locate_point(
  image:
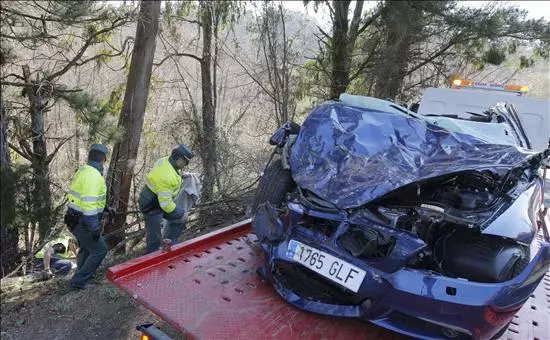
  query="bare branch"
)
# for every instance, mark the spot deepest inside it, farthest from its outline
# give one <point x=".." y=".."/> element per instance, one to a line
<point x="369" y="22"/>
<point x="108" y="55"/>
<point x="117" y="23"/>
<point x="178" y="55"/>
<point x="54" y="152"/>
<point x="20" y="151"/>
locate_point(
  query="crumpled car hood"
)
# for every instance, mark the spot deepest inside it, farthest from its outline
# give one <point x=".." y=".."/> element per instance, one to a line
<point x="350" y="156"/>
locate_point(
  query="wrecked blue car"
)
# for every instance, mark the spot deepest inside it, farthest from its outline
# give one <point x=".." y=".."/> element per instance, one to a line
<point x="428" y="226"/>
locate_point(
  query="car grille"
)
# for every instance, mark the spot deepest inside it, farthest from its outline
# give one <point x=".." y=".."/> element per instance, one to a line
<point x="312" y="286"/>
<point x="364" y="242"/>
<point x="320" y="225"/>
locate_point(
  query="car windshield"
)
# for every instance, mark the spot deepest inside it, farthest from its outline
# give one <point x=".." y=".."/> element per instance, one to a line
<point x="499" y="124"/>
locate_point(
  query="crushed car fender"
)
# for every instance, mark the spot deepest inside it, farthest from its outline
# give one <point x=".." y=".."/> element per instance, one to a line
<point x="266" y="224"/>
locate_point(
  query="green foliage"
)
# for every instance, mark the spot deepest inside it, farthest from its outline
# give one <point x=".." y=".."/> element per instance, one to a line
<point x="100" y="115"/>
<point x="91" y="32"/>
<point x="67" y="42"/>
<point x="17" y="195"/>
<point x="495" y="55"/>
<point x="429" y="39"/>
<point x="72" y="11"/>
<point x="525" y="62"/>
<point x="224" y="13"/>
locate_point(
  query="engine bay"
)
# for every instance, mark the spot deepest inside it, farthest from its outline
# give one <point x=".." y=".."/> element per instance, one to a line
<point x="447" y="214"/>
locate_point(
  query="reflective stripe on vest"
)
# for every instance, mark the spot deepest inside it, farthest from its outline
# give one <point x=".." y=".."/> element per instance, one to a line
<point x="88" y="191"/>
<point x="165" y="182"/>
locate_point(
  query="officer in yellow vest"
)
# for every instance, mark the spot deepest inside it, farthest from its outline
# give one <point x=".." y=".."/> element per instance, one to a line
<point x="87" y="199"/>
<point x="156" y="200"/>
<point x="55" y="255"/>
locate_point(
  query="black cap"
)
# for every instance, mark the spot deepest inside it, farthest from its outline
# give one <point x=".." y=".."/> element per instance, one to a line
<point x="183" y="151"/>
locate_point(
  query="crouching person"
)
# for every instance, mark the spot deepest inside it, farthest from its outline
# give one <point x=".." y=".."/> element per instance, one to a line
<point x="156" y="200"/>
<point x="85" y="209"/>
<point x="54" y="257"/>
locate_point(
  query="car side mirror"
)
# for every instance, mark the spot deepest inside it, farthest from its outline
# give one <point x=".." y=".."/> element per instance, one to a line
<point x="280" y="136"/>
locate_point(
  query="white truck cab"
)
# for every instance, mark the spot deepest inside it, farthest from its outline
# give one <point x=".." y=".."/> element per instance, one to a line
<point x="467" y="96"/>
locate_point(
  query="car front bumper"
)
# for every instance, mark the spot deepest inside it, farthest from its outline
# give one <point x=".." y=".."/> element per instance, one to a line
<point x="410" y="301"/>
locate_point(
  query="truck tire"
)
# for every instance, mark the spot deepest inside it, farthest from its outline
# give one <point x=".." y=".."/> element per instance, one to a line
<point x="274" y="184"/>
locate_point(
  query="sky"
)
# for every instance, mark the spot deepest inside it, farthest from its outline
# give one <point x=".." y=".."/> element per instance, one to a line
<point x="536" y="9"/>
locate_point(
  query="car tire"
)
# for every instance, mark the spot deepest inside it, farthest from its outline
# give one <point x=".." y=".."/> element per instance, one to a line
<point x="274" y="184"/>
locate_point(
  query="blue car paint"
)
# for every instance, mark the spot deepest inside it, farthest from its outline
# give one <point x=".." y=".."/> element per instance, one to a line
<point x="419" y="294"/>
<point x="522" y="212"/>
<point x="350" y="156"/>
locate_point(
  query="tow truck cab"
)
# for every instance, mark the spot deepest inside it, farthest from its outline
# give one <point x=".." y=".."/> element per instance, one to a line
<point x="467" y="96"/>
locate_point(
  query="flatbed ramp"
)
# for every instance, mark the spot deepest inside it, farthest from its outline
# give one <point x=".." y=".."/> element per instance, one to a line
<point x="208" y="288"/>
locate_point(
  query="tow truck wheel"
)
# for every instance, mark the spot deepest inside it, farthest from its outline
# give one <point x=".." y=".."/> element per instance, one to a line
<point x="274" y="184"/>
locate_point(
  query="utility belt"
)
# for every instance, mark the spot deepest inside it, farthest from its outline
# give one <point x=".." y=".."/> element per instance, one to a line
<point x="72" y="218"/>
<point x="148" y="201"/>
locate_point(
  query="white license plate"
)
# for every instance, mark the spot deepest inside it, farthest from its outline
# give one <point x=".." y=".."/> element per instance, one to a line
<point x="331" y="267"/>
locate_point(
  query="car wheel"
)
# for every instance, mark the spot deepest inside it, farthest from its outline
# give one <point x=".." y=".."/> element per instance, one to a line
<point x="274" y="184"/>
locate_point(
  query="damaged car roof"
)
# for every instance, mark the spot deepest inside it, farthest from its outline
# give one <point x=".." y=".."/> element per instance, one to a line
<point x="350" y="155"/>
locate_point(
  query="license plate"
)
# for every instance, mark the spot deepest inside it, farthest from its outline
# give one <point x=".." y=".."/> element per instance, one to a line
<point x="331" y="267"/>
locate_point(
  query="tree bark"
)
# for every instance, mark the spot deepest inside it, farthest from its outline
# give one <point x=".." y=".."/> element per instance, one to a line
<point x="208" y="143"/>
<point x="9" y="236"/>
<point x="403" y="22"/>
<point x="4" y="150"/>
<point x="339" y="49"/>
<point x="125" y="151"/>
<point x="42" y="194"/>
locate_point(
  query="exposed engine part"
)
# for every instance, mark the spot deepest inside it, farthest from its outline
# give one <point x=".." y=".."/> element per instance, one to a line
<point x="367" y="242"/>
<point x="482" y="258"/>
<point x="464" y="199"/>
<point x="322" y="225"/>
<point x="466" y="191"/>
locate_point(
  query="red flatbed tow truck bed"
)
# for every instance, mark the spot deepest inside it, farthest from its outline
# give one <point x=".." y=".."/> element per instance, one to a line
<point x="208" y="288"/>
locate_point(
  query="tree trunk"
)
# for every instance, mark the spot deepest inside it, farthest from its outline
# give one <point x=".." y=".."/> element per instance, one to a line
<point x="9" y="236"/>
<point x="4" y="151"/>
<point x="402" y="21"/>
<point x="42" y="195"/>
<point x="208" y="143"/>
<point x="339" y="49"/>
<point x="125" y="151"/>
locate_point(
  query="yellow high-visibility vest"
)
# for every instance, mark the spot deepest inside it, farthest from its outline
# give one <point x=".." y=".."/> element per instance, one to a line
<point x="88" y="191"/>
<point x="64" y="241"/>
<point x="165" y="182"/>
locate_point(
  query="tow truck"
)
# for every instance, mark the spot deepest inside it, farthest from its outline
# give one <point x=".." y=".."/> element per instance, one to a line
<point x="466" y="97"/>
<point x="208" y="288"/>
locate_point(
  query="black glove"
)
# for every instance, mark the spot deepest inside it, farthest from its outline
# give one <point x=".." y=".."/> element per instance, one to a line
<point x="95" y="235"/>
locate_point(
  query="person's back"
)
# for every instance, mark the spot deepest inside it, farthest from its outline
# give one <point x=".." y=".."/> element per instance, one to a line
<point x="87" y="198"/>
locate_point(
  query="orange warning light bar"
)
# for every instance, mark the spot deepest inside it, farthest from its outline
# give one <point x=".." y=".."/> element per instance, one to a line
<point x="458" y="83"/>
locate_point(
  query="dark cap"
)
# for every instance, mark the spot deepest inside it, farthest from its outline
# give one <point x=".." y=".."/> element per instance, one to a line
<point x="183" y="151"/>
<point x="101" y="148"/>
